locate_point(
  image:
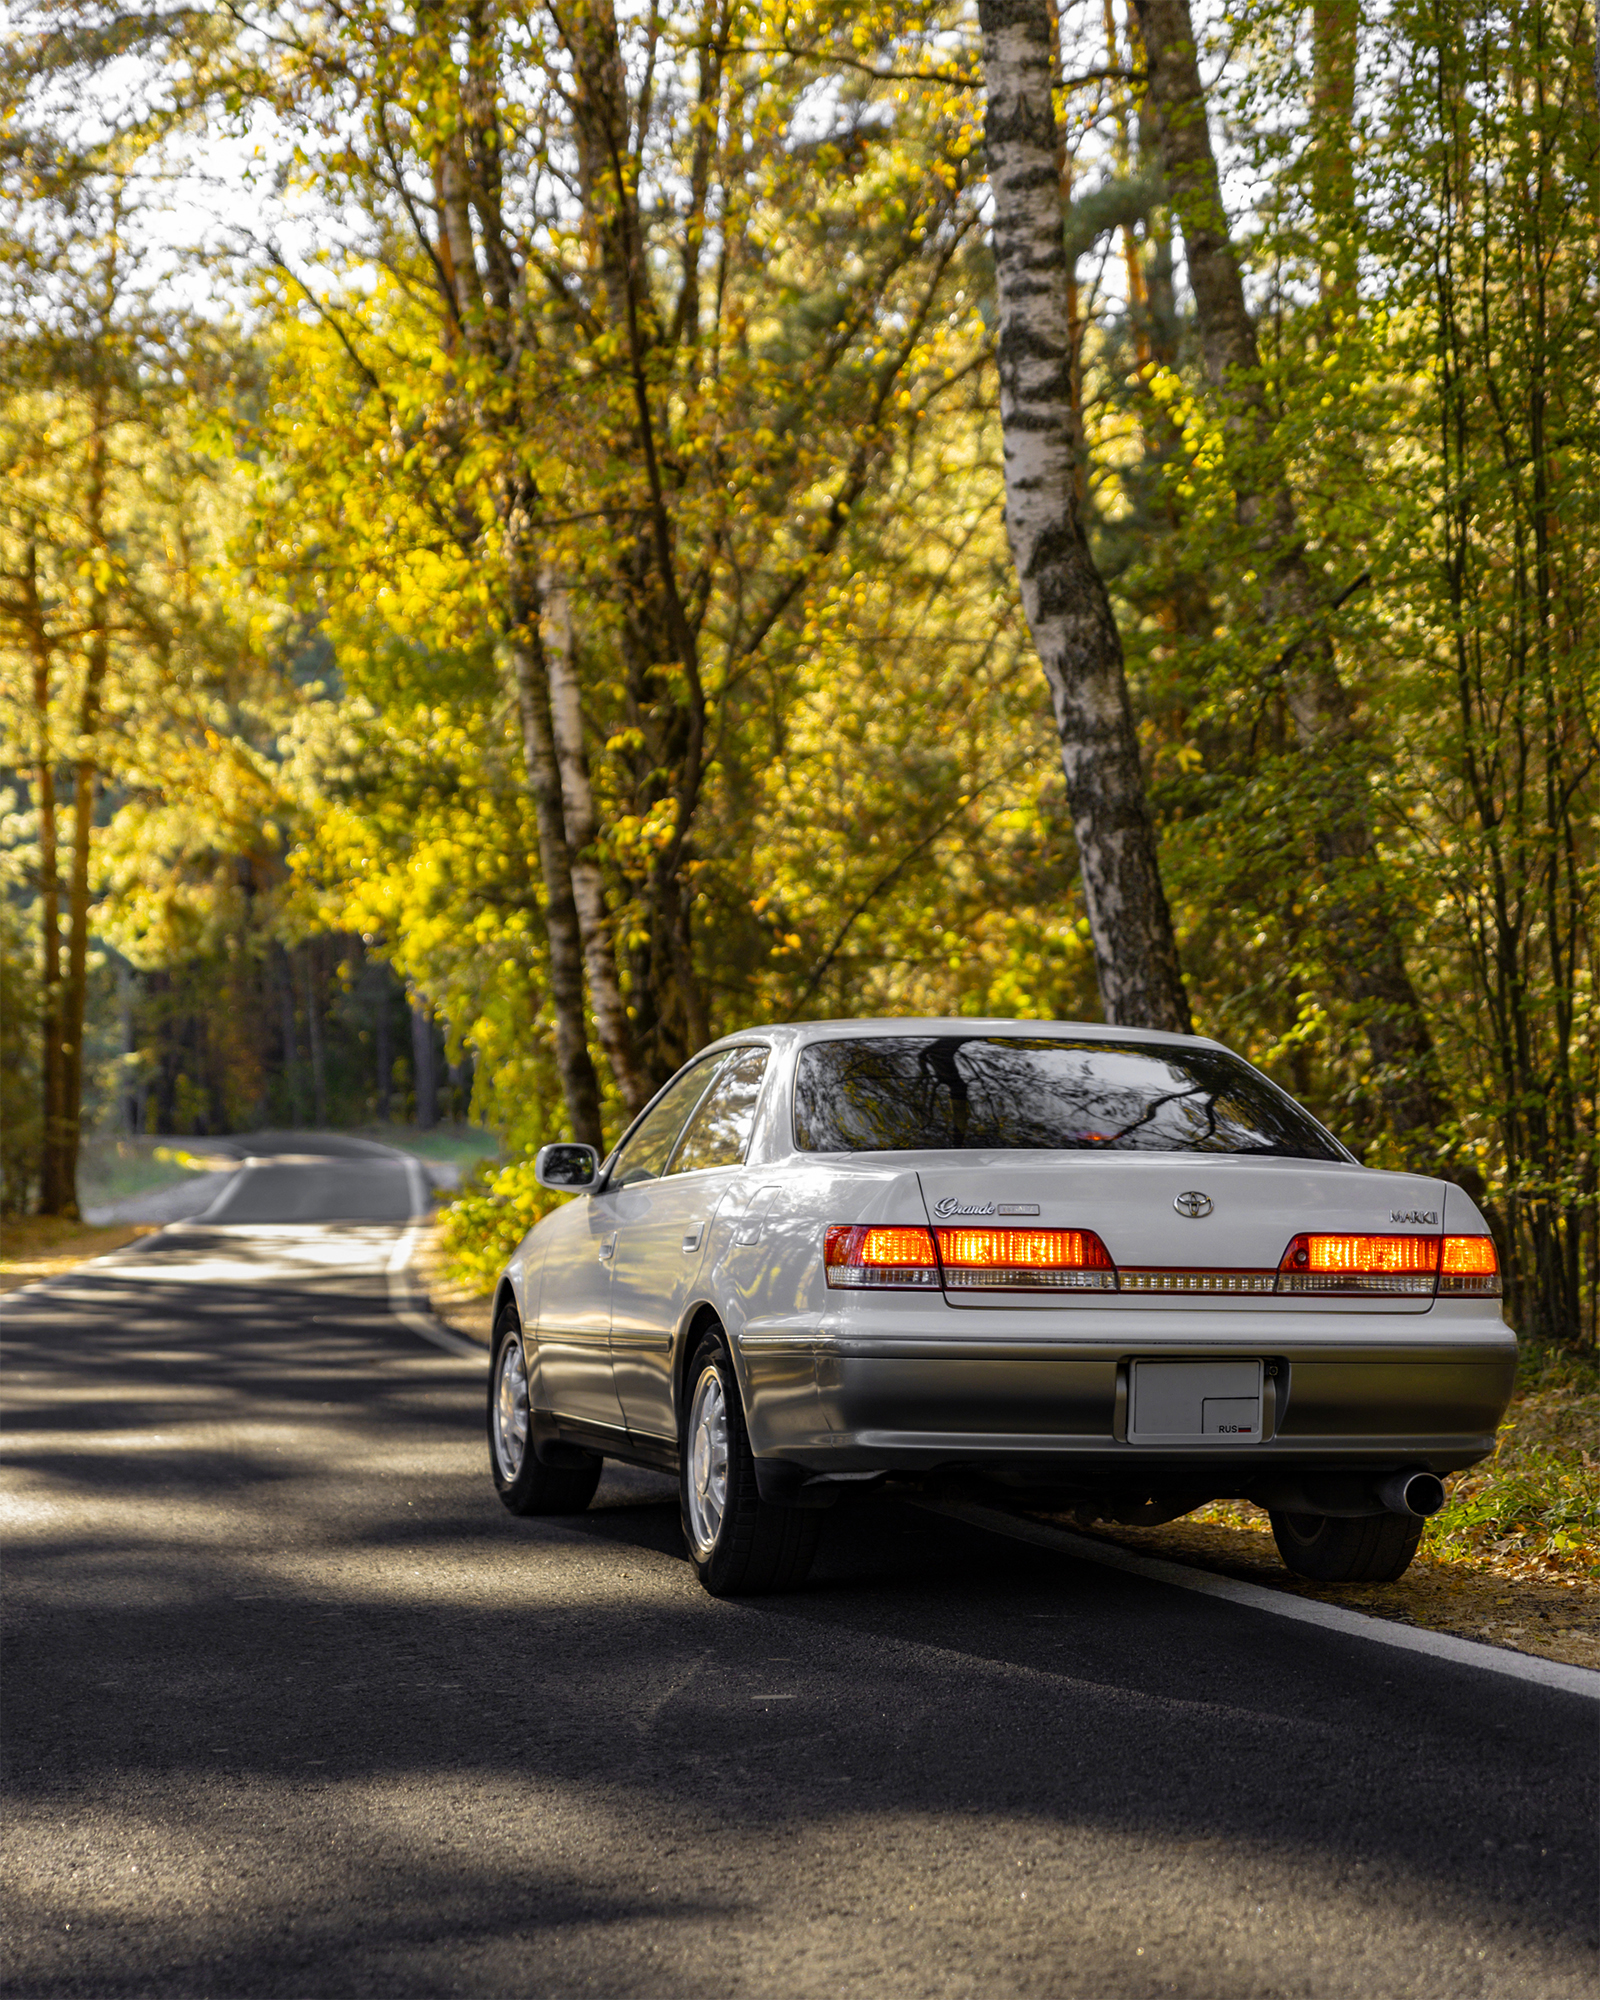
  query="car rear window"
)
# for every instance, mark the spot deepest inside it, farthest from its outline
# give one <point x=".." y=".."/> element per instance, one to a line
<point x="927" y="1093"/>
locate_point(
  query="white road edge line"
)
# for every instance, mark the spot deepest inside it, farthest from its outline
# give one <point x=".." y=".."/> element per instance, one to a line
<point x="403" y="1298"/>
<point x="1333" y="1617"/>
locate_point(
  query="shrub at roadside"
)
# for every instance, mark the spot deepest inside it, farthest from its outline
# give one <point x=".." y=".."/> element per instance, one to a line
<point x="494" y="1210"/>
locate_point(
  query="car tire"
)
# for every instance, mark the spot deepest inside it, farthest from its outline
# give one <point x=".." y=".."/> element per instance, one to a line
<point x="740" y="1544"/>
<point x="523" y="1481"/>
<point x="1375" y="1548"/>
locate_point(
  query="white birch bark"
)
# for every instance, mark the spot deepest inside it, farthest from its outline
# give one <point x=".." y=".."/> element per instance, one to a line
<point x="1069" y="614"/>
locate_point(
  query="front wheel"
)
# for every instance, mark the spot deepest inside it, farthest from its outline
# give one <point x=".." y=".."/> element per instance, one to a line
<point x="1376" y="1548"/>
<point x="525" y="1484"/>
<point x="740" y="1544"/>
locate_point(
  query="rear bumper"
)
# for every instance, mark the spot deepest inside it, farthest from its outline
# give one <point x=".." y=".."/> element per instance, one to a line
<point x="1036" y="1403"/>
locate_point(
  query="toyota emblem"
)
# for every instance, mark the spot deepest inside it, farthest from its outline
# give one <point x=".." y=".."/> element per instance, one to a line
<point x="1193" y="1204"/>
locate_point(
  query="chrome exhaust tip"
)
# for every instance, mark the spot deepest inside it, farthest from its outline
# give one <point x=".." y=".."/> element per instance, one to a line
<point x="1418" y="1494"/>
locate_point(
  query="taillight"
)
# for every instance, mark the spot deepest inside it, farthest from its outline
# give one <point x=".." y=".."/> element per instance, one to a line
<point x="1469" y="1268"/>
<point x="880" y="1254"/>
<point x="1026" y="1260"/>
<point x="1360" y="1264"/>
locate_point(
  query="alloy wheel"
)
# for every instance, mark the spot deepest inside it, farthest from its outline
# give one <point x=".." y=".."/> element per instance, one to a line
<point x="708" y="1463"/>
<point x="511" y="1411"/>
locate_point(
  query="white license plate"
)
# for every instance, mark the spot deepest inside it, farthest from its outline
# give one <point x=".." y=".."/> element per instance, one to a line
<point x="1194" y="1402"/>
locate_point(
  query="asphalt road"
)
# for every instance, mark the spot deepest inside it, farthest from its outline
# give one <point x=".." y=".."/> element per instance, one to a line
<point x="292" y="1706"/>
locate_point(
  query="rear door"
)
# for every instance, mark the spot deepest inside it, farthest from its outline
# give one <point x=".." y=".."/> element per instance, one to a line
<point x="663" y="1223"/>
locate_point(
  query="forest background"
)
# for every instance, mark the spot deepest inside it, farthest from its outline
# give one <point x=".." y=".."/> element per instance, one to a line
<point x="504" y="571"/>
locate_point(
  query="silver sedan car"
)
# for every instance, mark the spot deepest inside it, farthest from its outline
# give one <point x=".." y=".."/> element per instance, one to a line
<point x="1099" y="1268"/>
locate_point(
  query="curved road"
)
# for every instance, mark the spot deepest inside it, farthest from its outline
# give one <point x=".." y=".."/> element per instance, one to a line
<point x="293" y="1707"/>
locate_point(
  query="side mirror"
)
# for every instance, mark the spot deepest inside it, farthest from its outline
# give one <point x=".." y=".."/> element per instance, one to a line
<point x="566" y="1169"/>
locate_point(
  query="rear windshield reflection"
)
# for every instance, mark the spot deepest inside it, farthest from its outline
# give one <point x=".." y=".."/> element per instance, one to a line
<point x="929" y="1093"/>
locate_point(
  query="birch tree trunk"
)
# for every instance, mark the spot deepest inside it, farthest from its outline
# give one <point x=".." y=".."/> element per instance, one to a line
<point x="588" y="885"/>
<point x="1367" y="956"/>
<point x="579" y="1085"/>
<point x="1069" y="614"/>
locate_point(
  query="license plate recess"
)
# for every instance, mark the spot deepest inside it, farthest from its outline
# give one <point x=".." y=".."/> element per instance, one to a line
<point x="1194" y="1402"/>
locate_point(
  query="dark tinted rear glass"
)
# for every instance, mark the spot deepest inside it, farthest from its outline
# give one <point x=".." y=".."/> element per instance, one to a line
<point x="924" y="1093"/>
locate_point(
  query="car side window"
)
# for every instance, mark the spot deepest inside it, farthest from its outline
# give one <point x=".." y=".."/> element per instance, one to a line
<point x="645" y="1154"/>
<point x="718" y="1133"/>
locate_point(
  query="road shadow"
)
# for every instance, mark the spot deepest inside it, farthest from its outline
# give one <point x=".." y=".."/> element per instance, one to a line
<point x="264" y="1603"/>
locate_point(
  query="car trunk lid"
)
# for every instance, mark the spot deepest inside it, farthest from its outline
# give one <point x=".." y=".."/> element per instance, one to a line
<point x="1193" y="1228"/>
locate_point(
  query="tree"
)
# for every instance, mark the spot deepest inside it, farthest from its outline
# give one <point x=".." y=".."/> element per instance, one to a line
<point x="632" y="434"/>
<point x="1070" y="616"/>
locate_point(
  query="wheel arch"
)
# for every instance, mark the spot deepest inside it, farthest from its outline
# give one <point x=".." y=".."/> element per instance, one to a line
<point x="505" y="1293"/>
<point x="699" y="1321"/>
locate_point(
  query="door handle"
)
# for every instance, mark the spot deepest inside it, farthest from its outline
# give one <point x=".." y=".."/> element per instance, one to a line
<point x="607" y="1245"/>
<point x="691" y="1240"/>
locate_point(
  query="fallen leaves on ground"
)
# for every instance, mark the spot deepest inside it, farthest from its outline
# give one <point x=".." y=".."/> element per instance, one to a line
<point x="44" y="1246"/>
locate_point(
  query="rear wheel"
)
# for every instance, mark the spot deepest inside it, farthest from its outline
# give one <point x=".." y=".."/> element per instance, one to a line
<point x="1376" y="1548"/>
<point x="740" y="1544"/>
<point x="525" y="1484"/>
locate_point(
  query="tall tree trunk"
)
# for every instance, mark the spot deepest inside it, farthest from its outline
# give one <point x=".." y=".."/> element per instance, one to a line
<point x="130" y="1088"/>
<point x="53" y="1184"/>
<point x="579" y="1086"/>
<point x="86" y="782"/>
<point x="588" y="884"/>
<point x="466" y="175"/>
<point x="423" y="1069"/>
<point x="608" y="181"/>
<point x="384" y="1054"/>
<point x="1366" y="953"/>
<point x="314" y="1037"/>
<point x="291" y="1053"/>
<point x="1069" y="614"/>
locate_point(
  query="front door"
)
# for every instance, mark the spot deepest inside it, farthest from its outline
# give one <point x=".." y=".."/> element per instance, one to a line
<point x="572" y="1368"/>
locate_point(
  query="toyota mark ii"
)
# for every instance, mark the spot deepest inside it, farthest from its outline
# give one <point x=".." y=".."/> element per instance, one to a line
<point x="1100" y="1269"/>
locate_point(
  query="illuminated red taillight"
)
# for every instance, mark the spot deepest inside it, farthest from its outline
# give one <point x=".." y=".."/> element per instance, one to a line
<point x="1407" y="1265"/>
<point x="1469" y="1268"/>
<point x="1025" y="1260"/>
<point x="880" y="1254"/>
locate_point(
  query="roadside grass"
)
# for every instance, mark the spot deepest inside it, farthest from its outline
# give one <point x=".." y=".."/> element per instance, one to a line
<point x="1533" y="1508"/>
<point x="463" y="1146"/>
<point x="44" y="1246"/>
<point x="113" y="1168"/>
